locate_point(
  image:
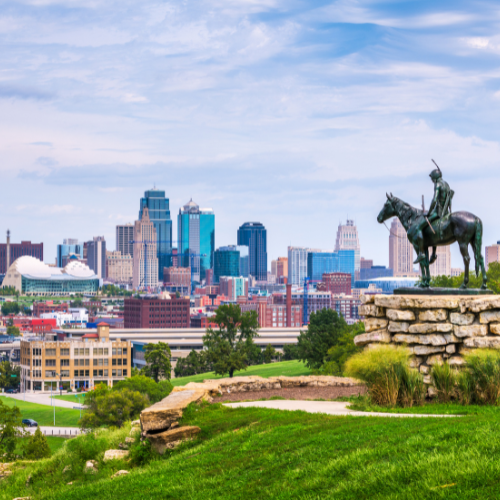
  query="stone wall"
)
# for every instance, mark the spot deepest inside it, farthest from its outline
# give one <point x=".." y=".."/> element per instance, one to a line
<point x="435" y="328"/>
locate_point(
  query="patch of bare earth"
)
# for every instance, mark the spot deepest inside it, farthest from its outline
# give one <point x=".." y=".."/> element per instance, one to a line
<point x="298" y="393"/>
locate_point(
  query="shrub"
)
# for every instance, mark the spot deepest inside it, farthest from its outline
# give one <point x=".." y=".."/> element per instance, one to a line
<point x="389" y="379"/>
<point x="445" y="380"/>
<point x="155" y="391"/>
<point x="37" y="446"/>
<point x="483" y="366"/>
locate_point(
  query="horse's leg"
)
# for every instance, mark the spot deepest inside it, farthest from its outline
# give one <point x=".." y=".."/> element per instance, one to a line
<point x="433" y="256"/>
<point x="426" y="268"/>
<point x="422" y="269"/>
<point x="464" y="250"/>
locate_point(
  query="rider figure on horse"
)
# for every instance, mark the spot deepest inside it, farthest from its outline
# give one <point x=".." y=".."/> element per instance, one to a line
<point x="440" y="207"/>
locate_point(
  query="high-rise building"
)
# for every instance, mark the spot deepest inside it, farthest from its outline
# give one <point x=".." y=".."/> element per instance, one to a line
<point x="9" y="252"/>
<point x="442" y="266"/>
<point x="254" y="236"/>
<point x="96" y="256"/>
<point x="319" y="263"/>
<point x="120" y="268"/>
<point x="226" y="262"/>
<point x="374" y="272"/>
<point x="69" y="248"/>
<point x="244" y="258"/>
<point x="159" y="214"/>
<point x="125" y="238"/>
<point x="492" y="254"/>
<point x="400" y="250"/>
<point x="297" y="264"/>
<point x="233" y="287"/>
<point x="347" y="239"/>
<point x="365" y="263"/>
<point x="145" y="273"/>
<point x="177" y="279"/>
<point x="279" y="268"/>
<point x="336" y="283"/>
<point x="196" y="236"/>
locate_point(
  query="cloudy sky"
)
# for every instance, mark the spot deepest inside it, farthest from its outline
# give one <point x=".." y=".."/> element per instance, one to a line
<point x="289" y="112"/>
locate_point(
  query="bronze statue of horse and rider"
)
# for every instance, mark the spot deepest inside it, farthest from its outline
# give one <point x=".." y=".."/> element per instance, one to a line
<point x="438" y="227"/>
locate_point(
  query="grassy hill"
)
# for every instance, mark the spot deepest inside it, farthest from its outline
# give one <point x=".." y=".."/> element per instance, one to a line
<point x="246" y="453"/>
<point x="286" y="368"/>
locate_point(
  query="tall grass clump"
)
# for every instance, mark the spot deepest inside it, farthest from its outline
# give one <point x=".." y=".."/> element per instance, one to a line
<point x="483" y="367"/>
<point x="445" y="381"/>
<point x="386" y="371"/>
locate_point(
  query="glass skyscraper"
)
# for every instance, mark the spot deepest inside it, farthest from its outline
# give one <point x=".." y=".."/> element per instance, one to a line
<point x="254" y="236"/>
<point x="69" y="247"/>
<point x="196" y="235"/>
<point x="319" y="263"/>
<point x="226" y="262"/>
<point x="159" y="214"/>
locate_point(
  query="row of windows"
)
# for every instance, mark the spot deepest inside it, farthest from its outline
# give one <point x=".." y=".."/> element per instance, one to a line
<point x="81" y="351"/>
<point x="86" y="362"/>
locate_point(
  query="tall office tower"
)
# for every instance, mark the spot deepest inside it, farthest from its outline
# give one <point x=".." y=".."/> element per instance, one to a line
<point x="442" y="266"/>
<point x="69" y="247"/>
<point x="96" y="256"/>
<point x="254" y="236"/>
<point x="196" y="239"/>
<point x="492" y="254"/>
<point x="226" y="262"/>
<point x="244" y="260"/>
<point x="9" y="252"/>
<point x="124" y="238"/>
<point x="119" y="268"/>
<point x="400" y="250"/>
<point x="347" y="239"/>
<point x="159" y="214"/>
<point x="279" y="268"/>
<point x="145" y="273"/>
<point x="366" y="263"/>
<point x="319" y="263"/>
<point x="297" y="264"/>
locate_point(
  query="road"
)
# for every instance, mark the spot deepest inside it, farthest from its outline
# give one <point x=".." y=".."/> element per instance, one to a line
<point x="43" y="399"/>
<point x="328" y="407"/>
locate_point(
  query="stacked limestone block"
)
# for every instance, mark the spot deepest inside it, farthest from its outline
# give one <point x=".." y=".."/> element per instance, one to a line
<point x="435" y="328"/>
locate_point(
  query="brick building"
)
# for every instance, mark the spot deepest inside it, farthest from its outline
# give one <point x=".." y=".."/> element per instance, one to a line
<point x="157" y="311"/>
<point x="49" y="307"/>
<point x="335" y="283"/>
<point x="178" y="278"/>
<point x="9" y="252"/>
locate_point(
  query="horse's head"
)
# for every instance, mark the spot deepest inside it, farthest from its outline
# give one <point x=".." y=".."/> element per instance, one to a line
<point x="388" y="210"/>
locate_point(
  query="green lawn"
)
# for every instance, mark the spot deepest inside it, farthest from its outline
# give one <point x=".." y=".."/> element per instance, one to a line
<point x="286" y="368"/>
<point x="44" y="415"/>
<point x="78" y="398"/>
<point x="256" y="453"/>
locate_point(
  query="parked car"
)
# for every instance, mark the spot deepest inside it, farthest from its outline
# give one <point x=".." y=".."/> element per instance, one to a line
<point x="30" y="422"/>
<point x="12" y="391"/>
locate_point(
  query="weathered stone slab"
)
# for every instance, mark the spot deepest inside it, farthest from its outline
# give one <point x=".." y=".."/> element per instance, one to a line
<point x="427" y="380"/>
<point x="378" y="336"/>
<point x="367" y="299"/>
<point x="115" y="455"/>
<point x="495" y="328"/>
<point x="161" y="440"/>
<point x="416" y="361"/>
<point x="451" y="339"/>
<point x="451" y="349"/>
<point x="479" y="304"/>
<point x="431" y="328"/>
<point x="314" y="381"/>
<point x="162" y="414"/>
<point x="435" y="340"/>
<point x="371" y="310"/>
<point x="461" y="319"/>
<point x="456" y="361"/>
<point x="396" y="326"/>
<point x="482" y="342"/>
<point x="372" y="324"/>
<point x="436" y="359"/>
<point x="396" y="315"/>
<point x="470" y="331"/>
<point x="433" y="315"/>
<point x="424" y="369"/>
<point x="489" y="316"/>
<point x="417" y="302"/>
<point x="423" y="350"/>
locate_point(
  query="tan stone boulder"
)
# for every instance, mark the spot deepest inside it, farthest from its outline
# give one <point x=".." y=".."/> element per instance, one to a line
<point x="120" y="473"/>
<point x="115" y="455"/>
<point x="160" y="441"/>
<point x="367" y="299"/>
<point x="495" y="328"/>
<point x="462" y="319"/>
<point x="433" y="315"/>
<point x="316" y="381"/>
<point x="482" y="343"/>
<point x="416" y="361"/>
<point x="159" y="416"/>
<point x="436" y="359"/>
<point x="378" y="336"/>
<point x="372" y="324"/>
<point x="90" y="466"/>
<point x="424" y="369"/>
<point x="456" y="361"/>
<point x="417" y="302"/>
<point x="396" y="326"/>
<point x="489" y="316"/>
<point x="479" y="304"/>
<point x="451" y="339"/>
<point x="431" y="328"/>
<point x="423" y="350"/>
<point x="371" y="310"/>
<point x="451" y="349"/>
<point x="397" y="315"/>
<point x="470" y="331"/>
<point x="245" y="384"/>
<point x="435" y="340"/>
<point x="211" y="388"/>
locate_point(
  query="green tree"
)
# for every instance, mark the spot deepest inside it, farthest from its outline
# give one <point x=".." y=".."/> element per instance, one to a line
<point x="269" y="353"/>
<point x="13" y="331"/>
<point x="78" y="302"/>
<point x="37" y="446"/>
<point x="10" y="308"/>
<point x="10" y="423"/>
<point x="157" y="357"/>
<point x="290" y="352"/>
<point x="105" y="407"/>
<point x="228" y="347"/>
<point x="155" y="391"/>
<point x="190" y="365"/>
<point x="10" y="375"/>
<point x="324" y="330"/>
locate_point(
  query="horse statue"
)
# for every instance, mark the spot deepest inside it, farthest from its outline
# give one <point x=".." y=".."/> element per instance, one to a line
<point x="461" y="227"/>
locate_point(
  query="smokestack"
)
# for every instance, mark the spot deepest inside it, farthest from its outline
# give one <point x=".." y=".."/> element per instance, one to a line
<point x="288" y="305"/>
<point x="8" y="251"/>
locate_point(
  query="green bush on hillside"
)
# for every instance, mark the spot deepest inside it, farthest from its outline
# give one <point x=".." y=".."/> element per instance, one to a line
<point x="389" y="379"/>
<point x="155" y="391"/>
<point x="37" y="446"/>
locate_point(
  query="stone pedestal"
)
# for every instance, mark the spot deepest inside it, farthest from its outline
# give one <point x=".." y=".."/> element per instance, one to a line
<point x="434" y="327"/>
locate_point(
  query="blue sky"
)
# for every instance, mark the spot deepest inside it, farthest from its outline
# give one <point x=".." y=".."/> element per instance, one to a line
<point x="293" y="113"/>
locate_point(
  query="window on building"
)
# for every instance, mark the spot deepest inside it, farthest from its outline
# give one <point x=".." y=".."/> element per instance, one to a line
<point x="119" y="361"/>
<point x="64" y="352"/>
<point x="64" y="373"/>
<point x="119" y="373"/>
<point x="87" y="372"/>
<point x="113" y="351"/>
<point x="106" y="351"/>
<point x="105" y="373"/>
<point x="124" y="373"/>
<point x="76" y="373"/>
<point x="113" y="362"/>
<point x="113" y="373"/>
<point x="50" y="362"/>
<point x="95" y="361"/>
<point x="50" y="352"/>
<point x="50" y="373"/>
<point x="124" y="361"/>
<point x="106" y="361"/>
<point x="64" y="362"/>
<point x="95" y="373"/>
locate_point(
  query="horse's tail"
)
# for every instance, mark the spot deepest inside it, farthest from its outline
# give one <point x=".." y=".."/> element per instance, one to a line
<point x="478" y="243"/>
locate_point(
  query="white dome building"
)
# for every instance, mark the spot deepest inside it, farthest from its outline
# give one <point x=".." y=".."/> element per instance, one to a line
<point x="30" y="276"/>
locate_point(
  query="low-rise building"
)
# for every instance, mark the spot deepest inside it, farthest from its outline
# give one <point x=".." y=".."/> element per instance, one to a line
<point x="48" y="307"/>
<point x="74" y="363"/>
<point x="233" y="287"/>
